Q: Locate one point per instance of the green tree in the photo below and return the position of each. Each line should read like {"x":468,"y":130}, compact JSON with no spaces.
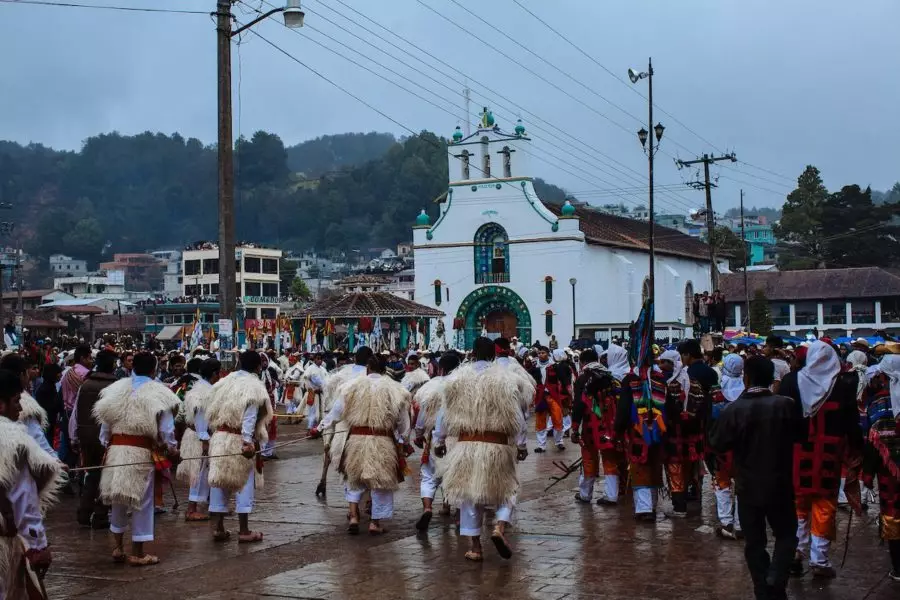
{"x":260,"y":160}
{"x":801,"y":222}
{"x":760,"y":314}
{"x":85,"y":239}
{"x":300,"y":290}
{"x":726,"y":242}
{"x":287,"y":270}
{"x":857,"y":232}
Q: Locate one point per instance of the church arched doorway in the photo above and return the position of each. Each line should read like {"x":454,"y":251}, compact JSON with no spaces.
{"x":496,"y":311}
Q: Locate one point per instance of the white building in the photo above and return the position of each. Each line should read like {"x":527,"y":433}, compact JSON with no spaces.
{"x":109,"y":285}
{"x":64,"y":265}
{"x":173,"y":283}
{"x":497,"y":260}
{"x":257,"y":274}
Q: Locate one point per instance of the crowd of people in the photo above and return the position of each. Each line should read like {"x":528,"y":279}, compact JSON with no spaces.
{"x":785,"y":436}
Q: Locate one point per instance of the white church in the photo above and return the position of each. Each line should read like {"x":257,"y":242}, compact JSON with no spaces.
{"x":499,"y":261}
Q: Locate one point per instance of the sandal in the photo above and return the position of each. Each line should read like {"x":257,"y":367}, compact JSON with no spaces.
{"x":474,"y":556}
{"x":250,"y":538}
{"x":501,"y":544}
{"x":195,"y":517}
{"x":353,"y":529}
{"x":119,"y":556}
{"x":377,"y":530}
{"x":146,"y":560}
{"x":424,"y":520}
{"x":221,"y":536}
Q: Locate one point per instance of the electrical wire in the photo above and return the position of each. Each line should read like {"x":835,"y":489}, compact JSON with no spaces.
{"x":107,"y":7}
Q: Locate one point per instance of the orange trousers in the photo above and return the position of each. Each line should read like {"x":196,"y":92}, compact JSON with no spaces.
{"x":680,"y":476}
{"x":821,"y":512}
{"x":554,"y":409}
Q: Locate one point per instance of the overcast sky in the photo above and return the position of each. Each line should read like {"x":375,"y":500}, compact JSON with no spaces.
{"x":783,"y":84}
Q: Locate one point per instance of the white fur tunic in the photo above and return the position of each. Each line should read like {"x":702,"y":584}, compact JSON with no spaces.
{"x":481,"y":399}
{"x":196,"y":400}
{"x":31,"y":410}
{"x":230,"y":397}
{"x":126,"y":411}
{"x":335,"y":436}
{"x":380,"y":403}
{"x":17,"y":452}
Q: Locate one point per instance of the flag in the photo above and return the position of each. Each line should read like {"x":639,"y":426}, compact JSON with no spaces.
{"x":197,"y":335}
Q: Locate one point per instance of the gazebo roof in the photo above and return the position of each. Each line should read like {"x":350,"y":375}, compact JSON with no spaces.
{"x":369,"y":304}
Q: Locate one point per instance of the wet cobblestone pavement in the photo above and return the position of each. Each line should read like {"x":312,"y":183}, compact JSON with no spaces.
{"x":563,"y":550}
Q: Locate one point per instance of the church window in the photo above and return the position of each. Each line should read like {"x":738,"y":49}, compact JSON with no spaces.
{"x":437,"y":292}
{"x":548,"y":322}
{"x":548,"y":289}
{"x":491,"y":254}
{"x":689,"y":303}
{"x":487,"y":165}
{"x":645,"y":290}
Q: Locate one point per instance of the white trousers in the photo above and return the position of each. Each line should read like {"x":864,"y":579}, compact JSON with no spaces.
{"x":200,"y":490}
{"x":816,"y":547}
{"x":141,"y":519}
{"x":429,"y":483}
{"x":471,"y":516}
{"x":382,"y":501}
{"x":567,"y":423}
{"x":726,"y":508}
{"x":643,"y":500}
{"x":542,"y":436}
{"x":586,"y":487}
{"x":243,"y":502}
{"x":312,"y":415}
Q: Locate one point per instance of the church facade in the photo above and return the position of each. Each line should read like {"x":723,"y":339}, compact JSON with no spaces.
{"x":498,"y":261}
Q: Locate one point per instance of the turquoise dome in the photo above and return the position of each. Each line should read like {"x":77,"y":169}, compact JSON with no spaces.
{"x":487,"y":119}
{"x":457,"y":135}
{"x":423,"y":220}
{"x":520,"y":129}
{"x":567,"y":210}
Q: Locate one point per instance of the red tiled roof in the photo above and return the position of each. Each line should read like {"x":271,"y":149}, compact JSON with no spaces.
{"x":814,"y":284}
{"x":27,"y":294}
{"x":620,"y":232}
{"x":361,"y":279}
{"x":368,"y":304}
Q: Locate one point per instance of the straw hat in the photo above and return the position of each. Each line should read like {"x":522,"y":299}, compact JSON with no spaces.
{"x":887,"y":348}
{"x":861,"y":343}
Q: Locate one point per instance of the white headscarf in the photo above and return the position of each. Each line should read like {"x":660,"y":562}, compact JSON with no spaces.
{"x":559,"y":355}
{"x":890,"y":366}
{"x":617,"y":361}
{"x":859,"y":361}
{"x":817,"y":378}
{"x":679,"y":374}
{"x":732,"y":377}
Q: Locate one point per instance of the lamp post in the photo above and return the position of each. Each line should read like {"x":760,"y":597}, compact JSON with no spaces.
{"x":572,"y":282}
{"x":293,"y":18}
{"x":650,"y":151}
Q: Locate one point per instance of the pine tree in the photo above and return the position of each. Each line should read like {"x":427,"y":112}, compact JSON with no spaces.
{"x":760,"y":315}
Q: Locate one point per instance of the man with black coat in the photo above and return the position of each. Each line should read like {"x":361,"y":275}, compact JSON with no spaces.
{"x":92,"y":512}
{"x":761,"y":428}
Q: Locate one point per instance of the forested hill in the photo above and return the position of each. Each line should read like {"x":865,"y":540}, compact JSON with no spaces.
{"x":130,"y":193}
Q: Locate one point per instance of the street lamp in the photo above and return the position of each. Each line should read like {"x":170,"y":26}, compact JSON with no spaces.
{"x":572,"y":282}
{"x":293,"y":18}
{"x":650,"y":151}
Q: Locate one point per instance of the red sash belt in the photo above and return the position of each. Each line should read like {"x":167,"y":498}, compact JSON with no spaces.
{"x":489,"y":437}
{"x":360,"y":430}
{"x":227,"y":429}
{"x":138,"y":441}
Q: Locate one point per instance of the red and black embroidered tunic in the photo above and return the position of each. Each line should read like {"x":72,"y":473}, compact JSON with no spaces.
{"x":882,"y":459}
{"x":594,"y":409}
{"x":833,"y":438}
{"x":640,"y":416}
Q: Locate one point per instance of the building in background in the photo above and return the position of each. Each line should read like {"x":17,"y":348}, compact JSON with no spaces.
{"x":62,"y":265}
{"x":172,"y":277}
{"x":100,"y":284}
{"x":257,"y":273}
{"x":143,"y":272}
{"x":836,"y":302}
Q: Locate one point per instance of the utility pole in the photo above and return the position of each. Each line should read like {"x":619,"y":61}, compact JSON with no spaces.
{"x":227,"y":275}
{"x":707,"y":160}
{"x":20,"y":314}
{"x":744,"y":248}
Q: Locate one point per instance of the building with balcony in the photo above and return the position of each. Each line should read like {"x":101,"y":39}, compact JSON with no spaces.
{"x":172,"y":278}
{"x":836,"y":302}
{"x":257,"y":276}
{"x":108,"y":285}
{"x":169,"y":321}
{"x":761,"y":240}
{"x":63,"y":265}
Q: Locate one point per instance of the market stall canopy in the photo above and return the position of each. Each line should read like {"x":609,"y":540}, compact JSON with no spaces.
{"x":369,"y":304}
{"x":172,"y":332}
{"x":75,"y":306}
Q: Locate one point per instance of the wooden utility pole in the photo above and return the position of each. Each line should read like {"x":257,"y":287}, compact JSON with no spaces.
{"x":227,"y":277}
{"x":744,"y":248}
{"x":707,"y":160}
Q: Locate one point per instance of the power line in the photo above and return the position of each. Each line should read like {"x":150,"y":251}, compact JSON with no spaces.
{"x":108,"y":7}
{"x":636,"y":177}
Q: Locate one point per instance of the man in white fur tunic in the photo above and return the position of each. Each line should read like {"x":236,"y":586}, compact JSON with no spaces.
{"x":239,"y":413}
{"x":376,"y":410}
{"x":485,"y":409}
{"x":136,"y":416}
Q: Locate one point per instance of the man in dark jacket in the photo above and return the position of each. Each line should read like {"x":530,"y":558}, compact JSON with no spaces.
{"x":760,"y":428}
{"x":89,"y":439}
